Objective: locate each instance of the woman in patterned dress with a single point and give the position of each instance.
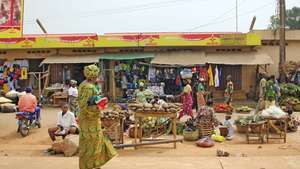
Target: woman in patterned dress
(228, 90)
(94, 148)
(187, 100)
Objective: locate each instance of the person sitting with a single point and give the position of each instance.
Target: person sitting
(28, 102)
(66, 124)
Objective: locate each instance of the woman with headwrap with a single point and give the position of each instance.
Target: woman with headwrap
(94, 148)
(201, 93)
(73, 97)
(187, 100)
(229, 90)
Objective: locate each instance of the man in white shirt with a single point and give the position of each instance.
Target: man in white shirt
(73, 100)
(66, 124)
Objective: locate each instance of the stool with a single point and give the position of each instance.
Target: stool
(256, 130)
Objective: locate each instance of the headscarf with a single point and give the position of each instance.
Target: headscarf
(91, 71)
(73, 82)
(142, 84)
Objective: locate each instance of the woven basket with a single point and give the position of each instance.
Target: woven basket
(296, 107)
(113, 129)
(191, 135)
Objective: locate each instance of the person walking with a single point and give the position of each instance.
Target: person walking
(95, 149)
(228, 90)
(187, 100)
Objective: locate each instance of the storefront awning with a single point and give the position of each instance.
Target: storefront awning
(70, 59)
(126, 56)
(239, 58)
(179, 58)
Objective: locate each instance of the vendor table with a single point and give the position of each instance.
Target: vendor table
(282, 127)
(138, 116)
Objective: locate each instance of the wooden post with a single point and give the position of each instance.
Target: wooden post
(40, 85)
(282, 52)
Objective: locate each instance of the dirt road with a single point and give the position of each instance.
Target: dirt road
(18, 152)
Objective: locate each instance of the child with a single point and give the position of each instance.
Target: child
(228, 123)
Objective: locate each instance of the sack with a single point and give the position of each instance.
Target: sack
(205, 142)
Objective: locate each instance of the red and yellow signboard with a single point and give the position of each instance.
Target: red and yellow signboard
(130, 40)
(11, 18)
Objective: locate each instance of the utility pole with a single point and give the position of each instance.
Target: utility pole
(282, 53)
(236, 16)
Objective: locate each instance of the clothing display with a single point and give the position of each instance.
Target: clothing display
(210, 76)
(217, 81)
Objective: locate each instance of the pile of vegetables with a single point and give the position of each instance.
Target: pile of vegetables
(223, 108)
(147, 107)
(244, 109)
(111, 114)
(289, 90)
(243, 121)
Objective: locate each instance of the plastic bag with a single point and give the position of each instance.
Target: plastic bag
(218, 138)
(205, 142)
(186, 74)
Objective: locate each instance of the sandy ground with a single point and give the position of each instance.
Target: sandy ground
(18, 152)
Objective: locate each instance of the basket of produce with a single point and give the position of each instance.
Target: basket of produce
(111, 122)
(296, 107)
(243, 109)
(223, 108)
(152, 108)
(242, 122)
(190, 132)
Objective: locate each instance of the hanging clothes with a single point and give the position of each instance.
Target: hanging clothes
(210, 76)
(203, 73)
(217, 80)
(220, 75)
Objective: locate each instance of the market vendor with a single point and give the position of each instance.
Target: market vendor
(296, 77)
(201, 93)
(229, 90)
(73, 97)
(270, 93)
(187, 100)
(94, 148)
(141, 94)
(262, 91)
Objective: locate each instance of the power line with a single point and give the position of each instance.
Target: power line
(218, 17)
(128, 9)
(232, 17)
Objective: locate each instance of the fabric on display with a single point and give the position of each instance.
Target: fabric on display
(210, 76)
(217, 80)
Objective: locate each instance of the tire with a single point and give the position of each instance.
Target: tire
(24, 130)
(38, 124)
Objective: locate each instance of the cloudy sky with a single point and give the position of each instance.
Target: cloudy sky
(103, 16)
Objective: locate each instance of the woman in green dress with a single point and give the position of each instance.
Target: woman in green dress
(94, 148)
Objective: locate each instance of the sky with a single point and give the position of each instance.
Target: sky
(103, 16)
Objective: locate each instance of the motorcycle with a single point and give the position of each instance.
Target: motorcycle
(27, 121)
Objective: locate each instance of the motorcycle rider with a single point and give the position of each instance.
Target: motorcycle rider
(28, 103)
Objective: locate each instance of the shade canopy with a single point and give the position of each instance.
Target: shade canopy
(239, 58)
(180, 58)
(126, 56)
(70, 59)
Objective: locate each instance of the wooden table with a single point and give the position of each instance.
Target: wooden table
(138, 116)
(282, 127)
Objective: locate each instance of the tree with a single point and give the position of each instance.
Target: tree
(292, 19)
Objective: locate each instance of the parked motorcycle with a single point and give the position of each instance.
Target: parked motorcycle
(27, 121)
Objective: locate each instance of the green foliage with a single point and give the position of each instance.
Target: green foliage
(292, 19)
(290, 90)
